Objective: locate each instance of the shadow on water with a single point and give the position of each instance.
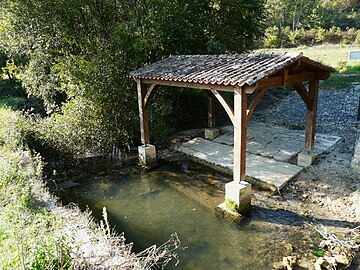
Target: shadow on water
(149, 206)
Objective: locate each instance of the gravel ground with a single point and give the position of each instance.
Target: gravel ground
(329, 190)
(337, 111)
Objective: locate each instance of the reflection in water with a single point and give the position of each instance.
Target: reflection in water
(149, 206)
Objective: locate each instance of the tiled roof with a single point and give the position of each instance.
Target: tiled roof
(233, 69)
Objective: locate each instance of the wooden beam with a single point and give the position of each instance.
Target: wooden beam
(240, 128)
(302, 91)
(311, 115)
(149, 94)
(254, 103)
(292, 79)
(226, 88)
(249, 89)
(211, 110)
(225, 105)
(143, 114)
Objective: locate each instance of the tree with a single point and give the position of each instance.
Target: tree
(78, 54)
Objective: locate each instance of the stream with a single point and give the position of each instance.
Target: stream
(148, 206)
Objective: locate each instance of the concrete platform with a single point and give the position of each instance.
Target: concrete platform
(269, 150)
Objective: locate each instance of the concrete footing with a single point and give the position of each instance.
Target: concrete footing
(239, 193)
(147, 154)
(212, 133)
(222, 210)
(305, 159)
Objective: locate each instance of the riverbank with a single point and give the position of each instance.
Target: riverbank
(37, 232)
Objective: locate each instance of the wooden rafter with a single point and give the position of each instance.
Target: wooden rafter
(292, 79)
(226, 88)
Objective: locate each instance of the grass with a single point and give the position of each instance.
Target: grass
(336, 56)
(23, 213)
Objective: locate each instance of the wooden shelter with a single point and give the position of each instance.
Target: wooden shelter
(242, 75)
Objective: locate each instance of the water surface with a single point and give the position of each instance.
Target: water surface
(149, 206)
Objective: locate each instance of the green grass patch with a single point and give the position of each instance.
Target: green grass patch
(29, 233)
(352, 70)
(336, 56)
(346, 80)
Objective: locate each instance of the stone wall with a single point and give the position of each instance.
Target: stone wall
(355, 163)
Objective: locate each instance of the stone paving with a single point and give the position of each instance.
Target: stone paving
(269, 150)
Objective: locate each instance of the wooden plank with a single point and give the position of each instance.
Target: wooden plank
(143, 114)
(149, 94)
(226, 88)
(311, 116)
(240, 126)
(211, 110)
(254, 103)
(302, 91)
(225, 105)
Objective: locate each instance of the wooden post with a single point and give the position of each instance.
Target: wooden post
(211, 110)
(311, 115)
(358, 114)
(240, 126)
(143, 114)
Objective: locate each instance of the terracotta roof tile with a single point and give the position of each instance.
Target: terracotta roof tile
(233, 69)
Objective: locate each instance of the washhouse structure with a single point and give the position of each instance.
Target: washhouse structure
(243, 75)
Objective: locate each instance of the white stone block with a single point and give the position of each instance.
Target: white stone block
(306, 159)
(212, 133)
(240, 194)
(147, 154)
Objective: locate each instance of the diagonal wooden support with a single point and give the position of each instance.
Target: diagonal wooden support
(143, 113)
(225, 104)
(302, 91)
(254, 103)
(149, 94)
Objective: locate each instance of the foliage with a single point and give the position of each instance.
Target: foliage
(22, 215)
(75, 56)
(231, 205)
(308, 22)
(37, 234)
(314, 36)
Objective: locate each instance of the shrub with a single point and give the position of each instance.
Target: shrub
(333, 35)
(271, 37)
(357, 38)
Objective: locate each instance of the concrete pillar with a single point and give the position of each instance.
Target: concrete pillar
(147, 154)
(240, 194)
(212, 133)
(306, 158)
